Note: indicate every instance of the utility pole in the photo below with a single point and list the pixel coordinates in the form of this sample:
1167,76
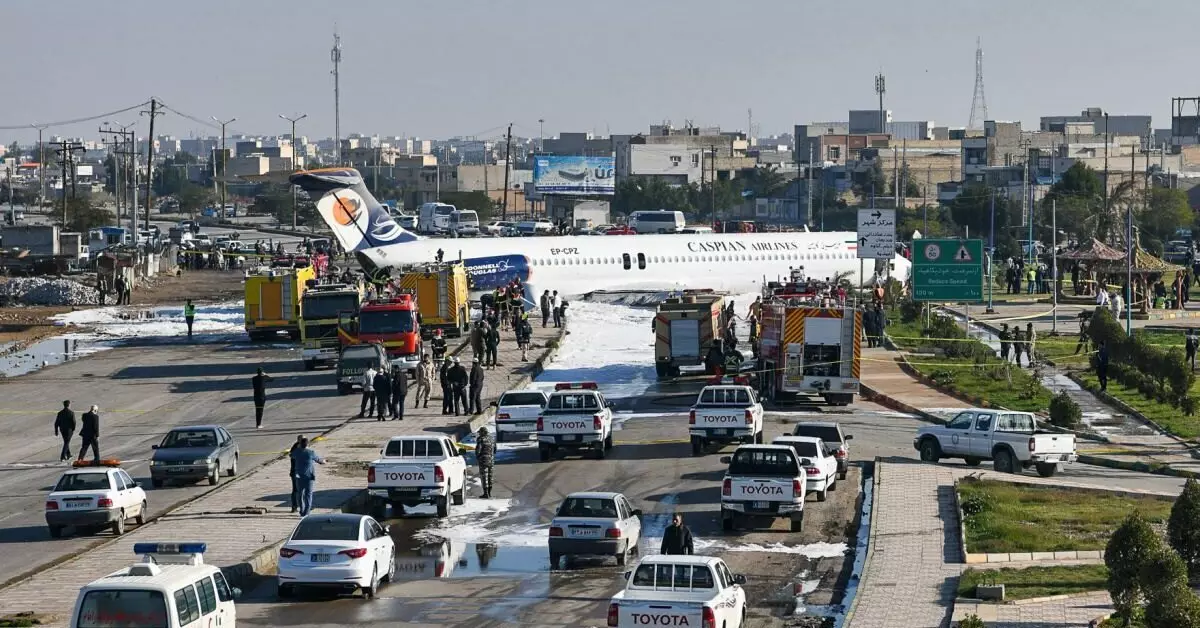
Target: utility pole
1106,141
812,157
541,134
41,167
153,113
295,162
66,155
507,166
712,184
335,56
12,208
224,163
904,171
991,254
895,179
925,203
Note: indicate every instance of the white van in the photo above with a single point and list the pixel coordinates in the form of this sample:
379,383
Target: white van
171,587
464,223
659,221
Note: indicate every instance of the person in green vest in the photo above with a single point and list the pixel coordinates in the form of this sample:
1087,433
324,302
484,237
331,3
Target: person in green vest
189,315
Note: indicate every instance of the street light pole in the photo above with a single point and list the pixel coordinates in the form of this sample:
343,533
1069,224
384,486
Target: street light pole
295,165
41,167
224,175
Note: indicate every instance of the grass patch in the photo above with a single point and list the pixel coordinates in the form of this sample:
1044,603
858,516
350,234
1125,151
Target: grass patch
1005,517
1163,414
1022,584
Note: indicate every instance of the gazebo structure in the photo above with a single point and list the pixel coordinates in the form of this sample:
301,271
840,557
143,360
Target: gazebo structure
1087,258
1146,269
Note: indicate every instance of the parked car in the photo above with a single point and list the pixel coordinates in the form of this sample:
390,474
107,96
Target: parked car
193,453
594,524
836,443
820,468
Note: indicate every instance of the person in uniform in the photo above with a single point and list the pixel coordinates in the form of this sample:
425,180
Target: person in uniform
189,315
1018,343
424,382
1004,341
485,457
64,425
524,336
437,344
1031,340
477,332
545,304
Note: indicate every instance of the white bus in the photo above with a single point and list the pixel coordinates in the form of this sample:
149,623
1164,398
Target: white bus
659,221
434,217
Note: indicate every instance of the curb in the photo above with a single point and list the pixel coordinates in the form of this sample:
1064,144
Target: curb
1140,467
862,580
1028,601
1131,411
870,394
1048,559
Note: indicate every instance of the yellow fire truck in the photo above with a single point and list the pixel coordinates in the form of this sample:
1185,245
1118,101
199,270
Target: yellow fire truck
684,329
273,299
319,310
810,351
442,296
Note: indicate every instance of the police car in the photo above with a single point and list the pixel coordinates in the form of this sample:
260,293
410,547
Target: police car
576,418
171,587
95,495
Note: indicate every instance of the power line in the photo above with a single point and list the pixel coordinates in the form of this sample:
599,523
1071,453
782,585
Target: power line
46,125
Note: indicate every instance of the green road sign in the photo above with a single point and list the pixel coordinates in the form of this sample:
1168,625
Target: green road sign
948,271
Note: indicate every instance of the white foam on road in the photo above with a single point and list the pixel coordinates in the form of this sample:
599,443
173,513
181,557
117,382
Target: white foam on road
474,522
812,550
123,322
654,525
611,345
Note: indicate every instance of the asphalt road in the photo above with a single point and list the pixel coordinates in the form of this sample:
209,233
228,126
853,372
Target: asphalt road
502,576
142,392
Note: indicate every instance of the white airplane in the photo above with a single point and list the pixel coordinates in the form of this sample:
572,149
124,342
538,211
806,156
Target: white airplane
574,265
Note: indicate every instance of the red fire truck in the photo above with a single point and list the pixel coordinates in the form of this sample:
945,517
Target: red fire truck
391,320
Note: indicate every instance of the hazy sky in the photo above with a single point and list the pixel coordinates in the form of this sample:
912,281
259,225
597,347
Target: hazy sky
442,68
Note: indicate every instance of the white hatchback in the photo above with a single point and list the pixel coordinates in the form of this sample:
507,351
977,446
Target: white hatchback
342,552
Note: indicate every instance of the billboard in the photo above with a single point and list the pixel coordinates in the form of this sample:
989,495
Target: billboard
553,174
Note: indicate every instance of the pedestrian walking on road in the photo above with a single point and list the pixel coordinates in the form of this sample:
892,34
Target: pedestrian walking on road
485,457
524,336
189,315
491,348
303,460
424,382
89,432
292,472
545,305
259,382
459,379
367,407
399,392
447,388
1102,365
383,393
677,538
64,425
475,405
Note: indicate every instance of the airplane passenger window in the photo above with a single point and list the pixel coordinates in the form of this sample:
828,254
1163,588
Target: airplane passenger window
626,261
642,261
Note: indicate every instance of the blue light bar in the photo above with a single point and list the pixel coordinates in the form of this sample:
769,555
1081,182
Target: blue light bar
194,547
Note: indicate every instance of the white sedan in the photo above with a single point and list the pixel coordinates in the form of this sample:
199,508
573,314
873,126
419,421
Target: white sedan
342,552
821,470
595,524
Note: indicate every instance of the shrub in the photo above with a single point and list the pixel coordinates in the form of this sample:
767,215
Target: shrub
1182,531
910,311
971,621
1064,412
1174,607
1132,546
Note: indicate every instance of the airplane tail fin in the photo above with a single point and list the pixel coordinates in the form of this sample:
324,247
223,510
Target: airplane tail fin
351,211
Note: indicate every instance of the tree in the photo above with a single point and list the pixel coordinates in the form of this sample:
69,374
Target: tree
1078,194
873,181
1131,548
193,198
1170,603
14,151
83,216
1163,212
972,209
911,188
727,194
477,201
1182,532
765,182
650,193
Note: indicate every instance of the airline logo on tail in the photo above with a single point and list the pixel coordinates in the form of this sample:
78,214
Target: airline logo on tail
344,203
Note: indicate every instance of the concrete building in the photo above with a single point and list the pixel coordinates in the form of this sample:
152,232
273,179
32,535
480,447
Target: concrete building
200,147
676,164
1136,125
578,144
864,121
911,130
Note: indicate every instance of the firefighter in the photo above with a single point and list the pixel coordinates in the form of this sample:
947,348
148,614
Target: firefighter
437,344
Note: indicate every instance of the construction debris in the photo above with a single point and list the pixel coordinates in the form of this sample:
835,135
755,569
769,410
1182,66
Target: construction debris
44,291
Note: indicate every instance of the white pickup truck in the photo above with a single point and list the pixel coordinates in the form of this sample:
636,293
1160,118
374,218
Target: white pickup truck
697,591
763,481
725,414
517,413
424,469
1009,439
576,418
